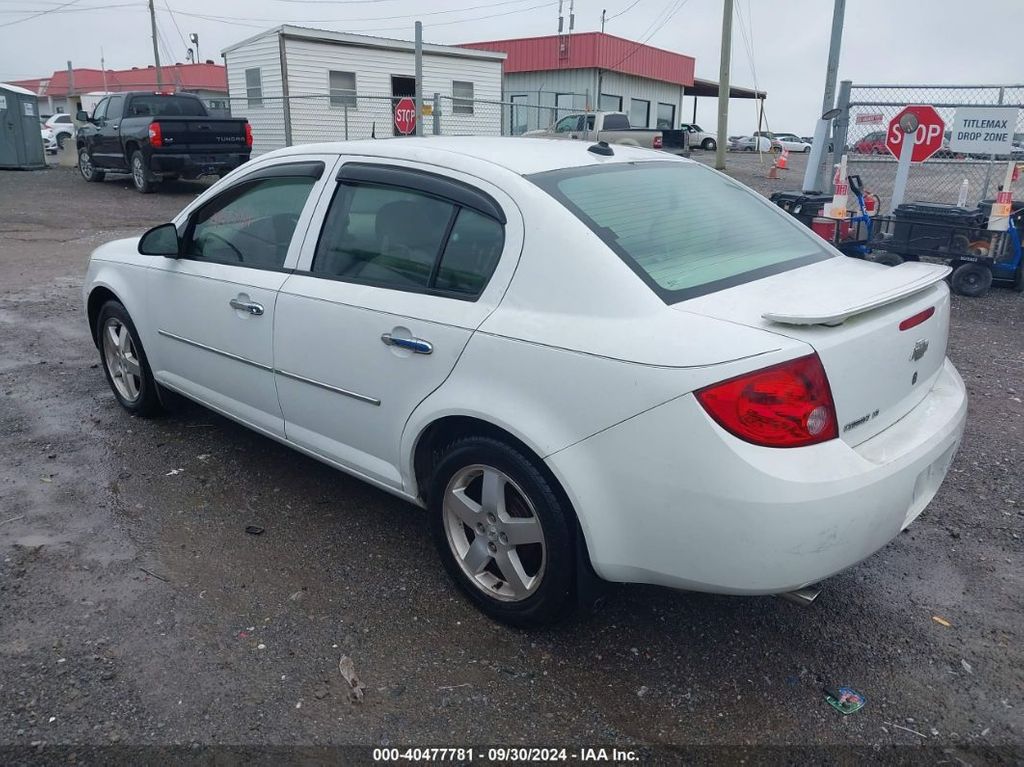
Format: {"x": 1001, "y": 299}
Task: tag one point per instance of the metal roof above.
{"x": 210, "y": 77}
{"x": 364, "y": 41}
{"x": 592, "y": 50}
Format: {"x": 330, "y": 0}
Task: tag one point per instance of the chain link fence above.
{"x": 278, "y": 122}
{"x": 868, "y": 110}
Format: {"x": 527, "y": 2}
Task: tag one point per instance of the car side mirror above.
{"x": 82, "y": 116}
{"x": 161, "y": 241}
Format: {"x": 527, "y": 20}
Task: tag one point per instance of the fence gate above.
{"x": 860, "y": 131}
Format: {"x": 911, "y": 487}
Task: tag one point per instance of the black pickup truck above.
{"x": 158, "y": 136}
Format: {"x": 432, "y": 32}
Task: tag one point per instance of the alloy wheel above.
{"x": 85, "y": 165}
{"x": 494, "y": 533}
{"x": 121, "y": 359}
{"x": 138, "y": 172}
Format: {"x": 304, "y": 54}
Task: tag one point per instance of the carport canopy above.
{"x": 709, "y": 89}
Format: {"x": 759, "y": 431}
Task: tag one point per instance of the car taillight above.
{"x": 787, "y": 405}
{"x": 156, "y": 136}
{"x": 248, "y": 135}
{"x": 657, "y": 142}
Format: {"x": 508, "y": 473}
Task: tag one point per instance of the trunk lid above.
{"x": 202, "y": 134}
{"x": 850, "y": 312}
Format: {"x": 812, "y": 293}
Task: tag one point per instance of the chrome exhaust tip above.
{"x": 802, "y": 597}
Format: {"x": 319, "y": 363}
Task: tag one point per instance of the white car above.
{"x": 571, "y": 356}
{"x": 49, "y": 140}
{"x": 793, "y": 142}
{"x": 751, "y": 144}
{"x": 63, "y": 127}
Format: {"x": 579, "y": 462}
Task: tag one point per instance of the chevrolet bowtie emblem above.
{"x": 919, "y": 349}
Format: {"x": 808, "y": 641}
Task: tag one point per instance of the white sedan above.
{"x": 571, "y": 356}
{"x": 793, "y": 142}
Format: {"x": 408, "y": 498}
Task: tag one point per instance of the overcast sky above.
{"x": 886, "y": 41}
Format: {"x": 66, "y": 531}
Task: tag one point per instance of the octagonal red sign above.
{"x": 405, "y": 116}
{"x": 928, "y": 137}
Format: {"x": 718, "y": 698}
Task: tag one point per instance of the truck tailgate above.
{"x": 203, "y": 134}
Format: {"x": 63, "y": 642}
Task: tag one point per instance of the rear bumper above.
{"x": 669, "y": 498}
{"x": 195, "y": 165}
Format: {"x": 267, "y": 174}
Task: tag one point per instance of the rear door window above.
{"x": 683, "y": 228}
{"x": 432, "y": 236}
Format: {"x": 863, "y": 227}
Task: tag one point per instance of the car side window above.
{"x": 100, "y": 111}
{"x": 385, "y": 236}
{"x": 115, "y": 107}
{"x": 471, "y": 253}
{"x": 250, "y": 224}
{"x": 402, "y": 238}
{"x": 568, "y": 124}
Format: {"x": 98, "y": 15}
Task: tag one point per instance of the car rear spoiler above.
{"x": 809, "y": 304}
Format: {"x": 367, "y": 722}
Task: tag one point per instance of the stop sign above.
{"x": 928, "y": 137}
{"x": 405, "y": 116}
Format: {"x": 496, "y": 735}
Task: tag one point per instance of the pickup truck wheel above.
{"x": 709, "y": 145}
{"x": 87, "y": 169}
{"x": 141, "y": 176}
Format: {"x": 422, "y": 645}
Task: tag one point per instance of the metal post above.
{"x": 839, "y": 133}
{"x": 346, "y": 121}
{"x": 419, "y": 78}
{"x": 437, "y": 114}
{"x": 286, "y": 103}
{"x": 723, "y": 85}
{"x": 899, "y": 186}
{"x": 156, "y": 50}
{"x": 832, "y": 70}
{"x": 991, "y": 159}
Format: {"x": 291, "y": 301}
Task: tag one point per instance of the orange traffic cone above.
{"x": 781, "y": 163}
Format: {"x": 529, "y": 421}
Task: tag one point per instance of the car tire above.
{"x": 709, "y": 145}
{"x": 522, "y": 584}
{"x": 141, "y": 177}
{"x": 85, "y": 166}
{"x": 971, "y": 280}
{"x": 124, "y": 361}
{"x": 807, "y": 150}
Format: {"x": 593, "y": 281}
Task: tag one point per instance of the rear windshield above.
{"x": 684, "y": 229}
{"x": 165, "y": 106}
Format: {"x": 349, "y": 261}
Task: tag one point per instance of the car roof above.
{"x": 523, "y": 156}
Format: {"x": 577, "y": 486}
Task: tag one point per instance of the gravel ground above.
{"x": 135, "y": 609}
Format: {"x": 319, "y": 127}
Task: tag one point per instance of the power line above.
{"x": 240, "y": 22}
{"x": 627, "y": 9}
{"x": 175, "y": 21}
{"x": 656, "y": 26}
{"x": 80, "y": 9}
{"x": 37, "y": 15}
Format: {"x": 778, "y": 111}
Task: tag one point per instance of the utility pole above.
{"x": 419, "y": 78}
{"x": 156, "y": 50}
{"x": 723, "y": 85}
{"x": 831, "y": 74}
{"x": 103, "y": 69}
{"x": 603, "y": 12}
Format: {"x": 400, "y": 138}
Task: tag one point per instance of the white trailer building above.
{"x": 298, "y": 85}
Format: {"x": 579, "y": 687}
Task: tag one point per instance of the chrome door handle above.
{"x": 251, "y": 307}
{"x": 417, "y": 345}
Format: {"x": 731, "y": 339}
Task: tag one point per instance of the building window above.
{"x": 343, "y": 88}
{"x": 564, "y": 102}
{"x": 666, "y": 116}
{"x": 639, "y": 113}
{"x": 254, "y": 87}
{"x": 462, "y": 97}
{"x": 610, "y": 103}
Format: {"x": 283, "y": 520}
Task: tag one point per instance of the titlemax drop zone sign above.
{"x": 983, "y": 130}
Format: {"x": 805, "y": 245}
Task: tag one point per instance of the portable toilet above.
{"x": 21, "y": 143}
